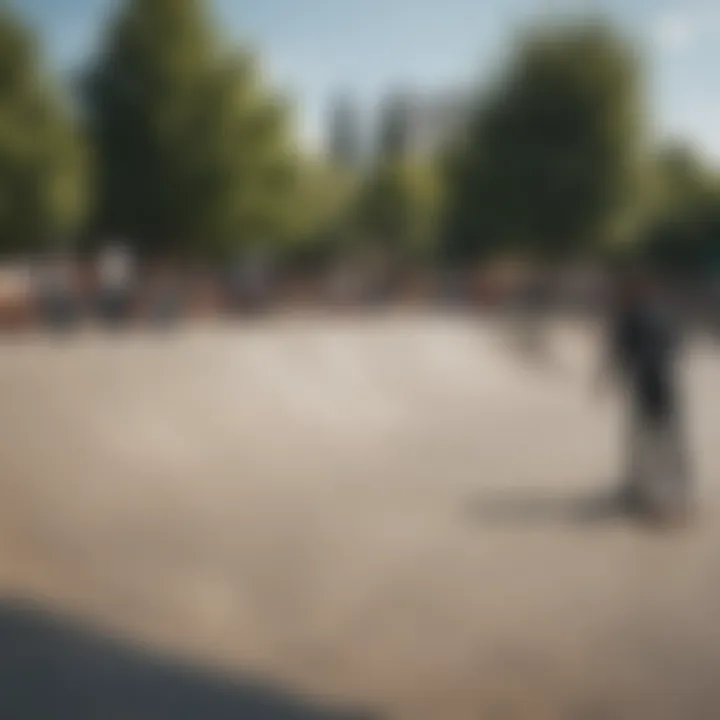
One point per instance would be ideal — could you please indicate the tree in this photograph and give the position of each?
(683, 229)
(398, 201)
(321, 210)
(549, 163)
(399, 207)
(682, 178)
(194, 153)
(42, 188)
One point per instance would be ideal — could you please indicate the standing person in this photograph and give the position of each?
(343, 284)
(247, 282)
(55, 291)
(254, 281)
(643, 348)
(15, 296)
(166, 293)
(233, 286)
(258, 280)
(535, 302)
(115, 274)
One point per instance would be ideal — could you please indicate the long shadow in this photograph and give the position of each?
(526, 507)
(52, 668)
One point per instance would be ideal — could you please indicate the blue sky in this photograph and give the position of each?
(313, 47)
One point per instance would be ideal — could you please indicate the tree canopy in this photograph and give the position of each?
(399, 206)
(550, 159)
(683, 228)
(190, 151)
(194, 152)
(42, 180)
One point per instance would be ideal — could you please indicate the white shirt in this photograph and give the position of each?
(115, 268)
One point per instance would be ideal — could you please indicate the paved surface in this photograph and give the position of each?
(394, 512)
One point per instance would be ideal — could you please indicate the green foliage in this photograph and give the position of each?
(42, 188)
(399, 201)
(193, 151)
(549, 163)
(320, 212)
(683, 231)
(399, 206)
(322, 202)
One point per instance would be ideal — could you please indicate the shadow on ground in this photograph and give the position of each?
(53, 668)
(525, 507)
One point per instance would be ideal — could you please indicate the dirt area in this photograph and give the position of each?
(391, 512)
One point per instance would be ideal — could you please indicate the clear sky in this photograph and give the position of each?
(314, 47)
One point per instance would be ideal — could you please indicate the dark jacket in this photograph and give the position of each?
(645, 347)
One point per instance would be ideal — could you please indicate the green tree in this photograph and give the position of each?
(550, 160)
(399, 200)
(399, 207)
(683, 228)
(682, 179)
(194, 152)
(42, 183)
(320, 210)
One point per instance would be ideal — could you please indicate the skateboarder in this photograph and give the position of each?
(643, 349)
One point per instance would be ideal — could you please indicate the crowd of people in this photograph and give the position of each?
(59, 291)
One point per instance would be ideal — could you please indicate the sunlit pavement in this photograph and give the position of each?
(388, 510)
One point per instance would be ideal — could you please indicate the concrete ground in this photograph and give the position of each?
(392, 512)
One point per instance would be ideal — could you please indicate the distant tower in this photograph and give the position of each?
(344, 131)
(397, 128)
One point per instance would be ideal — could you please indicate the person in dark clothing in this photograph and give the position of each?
(644, 351)
(56, 293)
